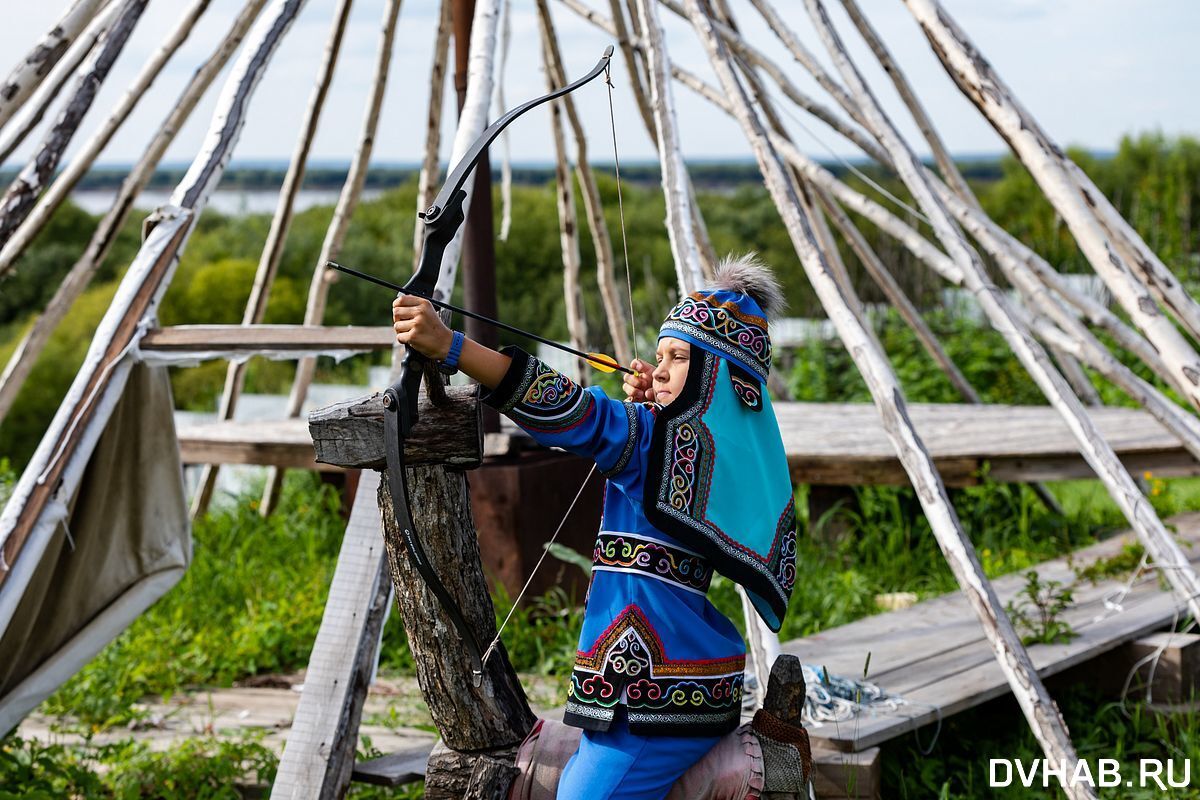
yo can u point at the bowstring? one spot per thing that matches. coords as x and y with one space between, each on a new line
612 119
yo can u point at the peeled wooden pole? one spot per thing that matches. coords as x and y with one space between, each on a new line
688 269
13 134
24 190
790 90
82 161
25 356
708 257
941 154
501 107
335 234
805 58
568 223
37 63
272 252
895 294
885 389
606 280
1056 325
472 119
1099 454
427 181
640 90
1077 206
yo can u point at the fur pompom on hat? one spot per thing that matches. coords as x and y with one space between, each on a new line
746 274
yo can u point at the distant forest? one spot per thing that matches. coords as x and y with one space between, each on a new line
709 175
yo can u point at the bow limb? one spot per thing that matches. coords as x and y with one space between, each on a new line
442 222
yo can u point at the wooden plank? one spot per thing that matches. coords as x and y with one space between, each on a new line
319 755
935 655
267 338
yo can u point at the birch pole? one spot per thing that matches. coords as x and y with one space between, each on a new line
895 294
48 91
759 59
601 241
1046 163
335 234
889 399
688 270
31 346
427 181
640 92
82 161
941 154
1096 451
23 191
568 225
1054 324
39 497
471 122
37 63
505 148
268 261
708 257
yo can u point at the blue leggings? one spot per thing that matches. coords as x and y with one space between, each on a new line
618 765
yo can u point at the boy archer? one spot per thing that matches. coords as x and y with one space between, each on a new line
697 481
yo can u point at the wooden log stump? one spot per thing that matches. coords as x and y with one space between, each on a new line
350 434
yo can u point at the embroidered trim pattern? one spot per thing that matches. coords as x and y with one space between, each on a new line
631 413
626 552
749 392
627 661
742 336
547 400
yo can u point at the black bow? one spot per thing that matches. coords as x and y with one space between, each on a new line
442 221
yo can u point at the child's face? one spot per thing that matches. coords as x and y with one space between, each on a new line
671 373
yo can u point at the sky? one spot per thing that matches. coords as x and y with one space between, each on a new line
1089 71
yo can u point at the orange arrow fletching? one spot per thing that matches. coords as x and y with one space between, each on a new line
603 363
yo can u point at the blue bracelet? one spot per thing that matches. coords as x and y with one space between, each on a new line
449 364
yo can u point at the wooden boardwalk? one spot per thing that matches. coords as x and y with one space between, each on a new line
826 443
845 444
934 654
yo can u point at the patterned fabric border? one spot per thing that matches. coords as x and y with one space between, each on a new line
547 400
631 413
627 552
683 697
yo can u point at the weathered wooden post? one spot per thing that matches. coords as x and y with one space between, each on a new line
480 727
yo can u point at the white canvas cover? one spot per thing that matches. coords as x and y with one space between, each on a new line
125 541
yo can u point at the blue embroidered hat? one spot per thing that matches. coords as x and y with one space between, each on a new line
717 479
729 320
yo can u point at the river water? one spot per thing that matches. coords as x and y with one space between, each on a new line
226 201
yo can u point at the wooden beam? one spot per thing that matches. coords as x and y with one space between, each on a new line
250 339
318 758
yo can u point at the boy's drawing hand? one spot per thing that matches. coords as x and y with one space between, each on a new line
418 326
638 388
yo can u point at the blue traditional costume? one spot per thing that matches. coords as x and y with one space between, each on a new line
698 485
